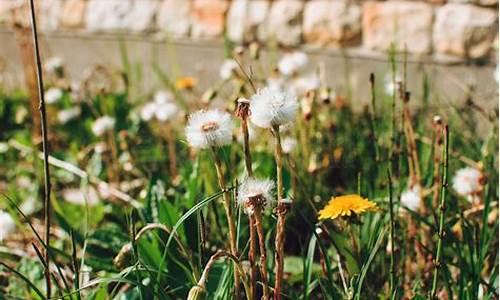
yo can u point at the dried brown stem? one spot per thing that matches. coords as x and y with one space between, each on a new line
45 146
263 253
172 157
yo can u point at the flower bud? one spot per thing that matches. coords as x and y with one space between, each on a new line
196 293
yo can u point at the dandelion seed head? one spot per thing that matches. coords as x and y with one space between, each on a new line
7 225
162 108
53 95
66 115
411 198
227 69
292 63
288 144
212 128
103 124
467 181
54 63
148 111
162 96
272 106
306 83
253 192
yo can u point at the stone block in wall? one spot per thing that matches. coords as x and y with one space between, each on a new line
121 15
464 30
174 18
49 12
108 15
244 19
400 22
478 2
142 15
208 17
284 23
72 14
331 22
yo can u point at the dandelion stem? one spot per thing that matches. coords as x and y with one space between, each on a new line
45 146
444 183
172 160
229 215
263 253
281 211
242 113
391 215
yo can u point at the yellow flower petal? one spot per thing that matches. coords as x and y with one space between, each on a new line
345 206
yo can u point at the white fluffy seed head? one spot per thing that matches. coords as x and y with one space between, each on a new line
7 225
467 181
292 63
254 192
272 106
53 95
212 128
306 83
227 69
102 125
288 144
162 108
53 64
66 115
411 198
163 96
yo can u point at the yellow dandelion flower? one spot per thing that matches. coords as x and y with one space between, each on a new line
345 206
185 83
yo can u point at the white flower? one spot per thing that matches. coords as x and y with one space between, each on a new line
102 125
276 82
166 111
66 115
411 198
81 196
467 181
53 64
288 144
293 62
212 128
255 192
7 225
306 83
228 68
162 108
272 106
162 97
389 84
148 111
53 95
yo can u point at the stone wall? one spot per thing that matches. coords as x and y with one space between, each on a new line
439 30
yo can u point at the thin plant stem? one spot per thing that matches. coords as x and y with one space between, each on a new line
45 146
281 212
251 256
242 111
172 156
442 208
263 253
392 225
211 262
229 216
